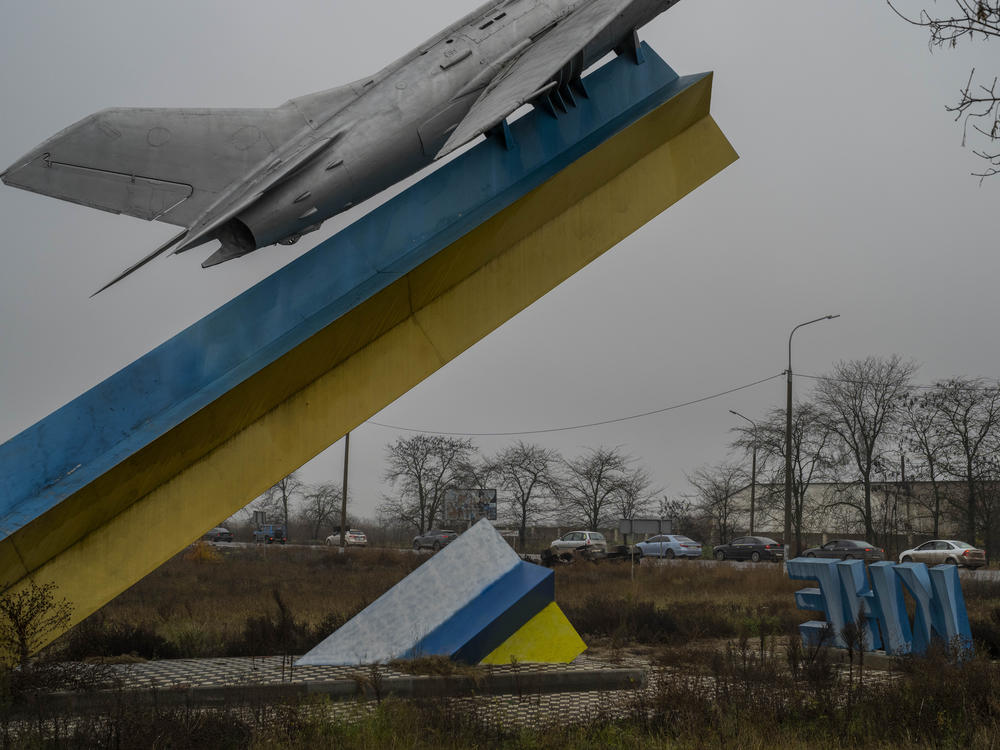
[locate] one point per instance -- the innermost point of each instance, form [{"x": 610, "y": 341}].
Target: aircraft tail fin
[{"x": 155, "y": 164}]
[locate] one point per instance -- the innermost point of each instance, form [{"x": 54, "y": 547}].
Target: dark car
[
  {"x": 846, "y": 549},
  {"x": 270, "y": 533},
  {"x": 434, "y": 538},
  {"x": 219, "y": 534},
  {"x": 755, "y": 548}
]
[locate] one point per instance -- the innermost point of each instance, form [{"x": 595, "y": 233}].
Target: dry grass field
[
  {"x": 723, "y": 638},
  {"x": 239, "y": 601}
]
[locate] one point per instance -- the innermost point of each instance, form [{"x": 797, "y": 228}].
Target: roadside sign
[
  {"x": 645, "y": 526},
  {"x": 470, "y": 505}
]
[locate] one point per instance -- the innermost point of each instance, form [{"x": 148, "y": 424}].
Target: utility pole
[
  {"x": 343, "y": 498},
  {"x": 788, "y": 433},
  {"x": 906, "y": 494}
]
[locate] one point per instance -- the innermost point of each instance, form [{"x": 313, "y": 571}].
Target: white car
[
  {"x": 947, "y": 551},
  {"x": 353, "y": 538},
  {"x": 574, "y": 540}
]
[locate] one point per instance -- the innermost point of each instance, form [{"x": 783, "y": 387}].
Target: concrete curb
[{"x": 362, "y": 686}]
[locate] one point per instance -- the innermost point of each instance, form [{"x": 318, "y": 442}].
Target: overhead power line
[{"x": 582, "y": 426}]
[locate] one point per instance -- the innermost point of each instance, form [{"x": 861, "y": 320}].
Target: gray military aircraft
[{"x": 255, "y": 177}]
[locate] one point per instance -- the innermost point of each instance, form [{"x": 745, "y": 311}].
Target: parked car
[
  {"x": 568, "y": 543},
  {"x": 669, "y": 546},
  {"x": 947, "y": 551},
  {"x": 435, "y": 539},
  {"x": 847, "y": 549},
  {"x": 270, "y": 533},
  {"x": 352, "y": 538},
  {"x": 755, "y": 548},
  {"x": 219, "y": 534}
]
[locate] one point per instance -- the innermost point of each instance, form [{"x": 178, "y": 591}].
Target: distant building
[{"x": 906, "y": 510}]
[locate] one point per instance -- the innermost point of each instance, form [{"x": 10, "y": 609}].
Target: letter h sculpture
[{"x": 879, "y": 611}]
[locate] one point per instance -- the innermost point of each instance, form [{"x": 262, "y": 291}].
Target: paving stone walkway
[
  {"x": 273, "y": 670},
  {"x": 525, "y": 709}
]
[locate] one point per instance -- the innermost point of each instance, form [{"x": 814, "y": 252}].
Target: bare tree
[
  {"x": 477, "y": 473},
  {"x": 636, "y": 493},
  {"x": 278, "y": 499},
  {"x": 812, "y": 456},
  {"x": 321, "y": 507},
  {"x": 969, "y": 413},
  {"x": 421, "y": 468},
  {"x": 685, "y": 517},
  {"x": 978, "y": 105},
  {"x": 861, "y": 401},
  {"x": 988, "y": 497},
  {"x": 718, "y": 487},
  {"x": 591, "y": 482},
  {"x": 29, "y": 616},
  {"x": 922, "y": 433},
  {"x": 527, "y": 476},
  {"x": 892, "y": 491}
]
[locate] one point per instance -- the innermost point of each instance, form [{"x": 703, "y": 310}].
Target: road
[{"x": 983, "y": 574}]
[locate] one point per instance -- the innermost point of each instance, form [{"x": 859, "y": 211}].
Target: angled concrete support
[{"x": 107, "y": 488}]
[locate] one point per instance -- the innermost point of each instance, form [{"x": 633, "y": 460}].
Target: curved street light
[{"x": 788, "y": 433}]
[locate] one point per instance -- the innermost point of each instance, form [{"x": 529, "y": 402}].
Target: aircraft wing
[
  {"x": 247, "y": 189},
  {"x": 546, "y": 63}
]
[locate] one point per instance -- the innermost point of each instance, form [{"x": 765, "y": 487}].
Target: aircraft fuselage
[{"x": 404, "y": 113}]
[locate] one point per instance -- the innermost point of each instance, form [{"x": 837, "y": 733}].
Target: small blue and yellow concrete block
[{"x": 474, "y": 601}]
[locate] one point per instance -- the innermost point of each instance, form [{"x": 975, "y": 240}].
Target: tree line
[
  {"x": 534, "y": 484},
  {"x": 870, "y": 434},
  {"x": 308, "y": 511}
]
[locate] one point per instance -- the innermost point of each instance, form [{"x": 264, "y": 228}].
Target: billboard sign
[
  {"x": 648, "y": 526},
  {"x": 470, "y": 505}
]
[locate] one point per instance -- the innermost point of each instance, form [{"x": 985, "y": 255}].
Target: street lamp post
[
  {"x": 788, "y": 433},
  {"x": 753, "y": 468},
  {"x": 343, "y": 497}
]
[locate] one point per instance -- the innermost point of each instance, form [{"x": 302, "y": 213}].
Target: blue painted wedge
[{"x": 471, "y": 602}]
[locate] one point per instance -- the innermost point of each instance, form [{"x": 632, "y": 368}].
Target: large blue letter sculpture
[{"x": 879, "y": 612}]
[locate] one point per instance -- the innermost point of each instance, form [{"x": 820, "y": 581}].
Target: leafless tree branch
[{"x": 978, "y": 106}]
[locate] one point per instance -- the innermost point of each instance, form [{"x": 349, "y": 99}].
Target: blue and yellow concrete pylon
[
  {"x": 108, "y": 487},
  {"x": 475, "y": 601}
]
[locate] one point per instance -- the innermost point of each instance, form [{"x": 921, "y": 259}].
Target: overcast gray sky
[{"x": 852, "y": 195}]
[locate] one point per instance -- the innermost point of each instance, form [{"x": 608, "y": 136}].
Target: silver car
[
  {"x": 435, "y": 539},
  {"x": 669, "y": 546},
  {"x": 947, "y": 551},
  {"x": 591, "y": 541}
]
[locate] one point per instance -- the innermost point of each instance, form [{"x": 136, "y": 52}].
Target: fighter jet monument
[
  {"x": 250, "y": 178},
  {"x": 207, "y": 420}
]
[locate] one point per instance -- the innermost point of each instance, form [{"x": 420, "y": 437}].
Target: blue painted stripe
[
  {"x": 79, "y": 442},
  {"x": 476, "y": 629}
]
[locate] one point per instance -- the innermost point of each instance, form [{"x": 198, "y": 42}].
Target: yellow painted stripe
[
  {"x": 104, "y": 538},
  {"x": 547, "y": 638}
]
